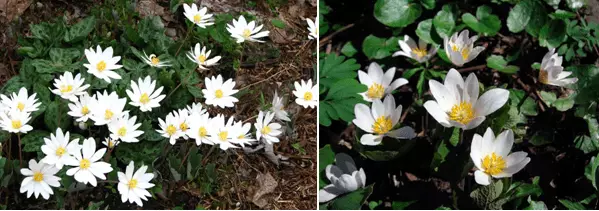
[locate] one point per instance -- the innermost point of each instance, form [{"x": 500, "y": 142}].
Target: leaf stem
[{"x": 20, "y": 151}]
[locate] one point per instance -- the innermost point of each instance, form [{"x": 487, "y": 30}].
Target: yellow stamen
[
  {"x": 265, "y": 130},
  {"x": 110, "y": 143},
  {"x": 84, "y": 164},
  {"x": 382, "y": 125},
  {"x": 465, "y": 53},
  {"x": 154, "y": 60},
  {"x": 202, "y": 58},
  {"x": 543, "y": 76},
  {"x": 197, "y": 18},
  {"x": 308, "y": 96},
  {"x": 67, "y": 88},
  {"x": 132, "y": 184},
  {"x": 38, "y": 176},
  {"x": 375, "y": 91},
  {"x": 20, "y": 106},
  {"x": 85, "y": 110},
  {"x": 108, "y": 114},
  {"x": 454, "y": 47},
  {"x": 223, "y": 135},
  {"x": 101, "y": 66},
  {"x": 420, "y": 52},
  {"x": 122, "y": 131},
  {"x": 60, "y": 151},
  {"x": 144, "y": 99},
  {"x": 183, "y": 126},
  {"x": 171, "y": 129},
  {"x": 218, "y": 93},
  {"x": 16, "y": 124},
  {"x": 493, "y": 164},
  {"x": 202, "y": 132},
  {"x": 241, "y": 137},
  {"x": 462, "y": 113},
  {"x": 246, "y": 33}
]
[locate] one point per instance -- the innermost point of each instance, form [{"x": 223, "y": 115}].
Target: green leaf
[
  {"x": 519, "y": 16},
  {"x": 571, "y": 205},
  {"x": 56, "y": 115},
  {"x": 180, "y": 99},
  {"x": 379, "y": 48},
  {"x": 484, "y": 22},
  {"x": 564, "y": 103},
  {"x": 141, "y": 152},
  {"x": 553, "y": 34},
  {"x": 80, "y": 30},
  {"x": 591, "y": 172},
  {"x": 485, "y": 196},
  {"x": 548, "y": 97},
  {"x": 348, "y": 49},
  {"x": 401, "y": 205},
  {"x": 326, "y": 157},
  {"x": 498, "y": 63},
  {"x": 353, "y": 200},
  {"x": 536, "y": 205},
  {"x": 396, "y": 13},
  {"x": 563, "y": 14},
  {"x": 278, "y": 23},
  {"x": 528, "y": 107},
  {"x": 426, "y": 32},
  {"x": 33, "y": 140},
  {"x": 445, "y": 19},
  {"x": 195, "y": 91},
  {"x": 586, "y": 144},
  {"x": 334, "y": 66},
  {"x": 428, "y": 4},
  {"x": 537, "y": 19}
]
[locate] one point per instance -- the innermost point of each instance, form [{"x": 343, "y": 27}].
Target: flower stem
[
  {"x": 20, "y": 151},
  {"x": 184, "y": 40}
]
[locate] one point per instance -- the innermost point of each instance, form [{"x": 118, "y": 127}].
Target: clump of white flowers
[
  {"x": 460, "y": 48},
  {"x": 242, "y": 30}
]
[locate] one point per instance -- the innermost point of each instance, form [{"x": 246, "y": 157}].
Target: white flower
[
  {"x": 307, "y": 95},
  {"x": 379, "y": 121},
  {"x": 21, "y": 101},
  {"x": 221, "y": 132},
  {"x": 241, "y": 133},
  {"x": 169, "y": 128},
  {"x": 88, "y": 163},
  {"x": 242, "y": 31},
  {"x": 379, "y": 84},
  {"x": 144, "y": 94},
  {"x": 218, "y": 93},
  {"x": 199, "y": 125},
  {"x": 198, "y": 16},
  {"x": 81, "y": 108},
  {"x": 344, "y": 178},
  {"x": 110, "y": 143},
  {"x": 68, "y": 87},
  {"x": 417, "y": 52},
  {"x": 132, "y": 186},
  {"x": 58, "y": 148},
  {"x": 15, "y": 121},
  {"x": 200, "y": 56},
  {"x": 101, "y": 63},
  {"x": 457, "y": 104},
  {"x": 196, "y": 108},
  {"x": 154, "y": 61},
  {"x": 552, "y": 72},
  {"x": 265, "y": 129},
  {"x": 182, "y": 117},
  {"x": 278, "y": 108},
  {"x": 313, "y": 28},
  {"x": 460, "y": 49},
  {"x": 124, "y": 128},
  {"x": 39, "y": 178},
  {"x": 492, "y": 158},
  {"x": 107, "y": 108}
]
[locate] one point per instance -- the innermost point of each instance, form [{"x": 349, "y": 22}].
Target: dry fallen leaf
[{"x": 267, "y": 185}]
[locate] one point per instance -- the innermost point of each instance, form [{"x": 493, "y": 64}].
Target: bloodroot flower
[{"x": 344, "y": 177}]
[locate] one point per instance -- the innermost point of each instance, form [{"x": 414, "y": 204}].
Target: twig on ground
[
  {"x": 474, "y": 68},
  {"x": 529, "y": 90},
  {"x": 327, "y": 39}
]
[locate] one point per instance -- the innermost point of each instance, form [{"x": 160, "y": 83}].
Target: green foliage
[
  {"x": 326, "y": 157},
  {"x": 396, "y": 13},
  {"x": 498, "y": 63},
  {"x": 484, "y": 22},
  {"x": 353, "y": 200},
  {"x": 591, "y": 171},
  {"x": 445, "y": 20},
  {"x": 379, "y": 48}
]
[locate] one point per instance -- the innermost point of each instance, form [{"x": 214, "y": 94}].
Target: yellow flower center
[
  {"x": 265, "y": 130},
  {"x": 202, "y": 58},
  {"x": 462, "y": 113},
  {"x": 67, "y": 88},
  {"x": 465, "y": 53},
  {"x": 171, "y": 129},
  {"x": 218, "y": 93},
  {"x": 101, "y": 66},
  {"x": 420, "y": 52},
  {"x": 85, "y": 110},
  {"x": 375, "y": 91},
  {"x": 110, "y": 143},
  {"x": 382, "y": 125},
  {"x": 108, "y": 114},
  {"x": 183, "y": 126},
  {"x": 20, "y": 106},
  {"x": 16, "y": 124},
  {"x": 84, "y": 164},
  {"x": 223, "y": 135},
  {"x": 144, "y": 99},
  {"x": 454, "y": 47},
  {"x": 122, "y": 131},
  {"x": 154, "y": 60},
  {"x": 132, "y": 183},
  {"x": 246, "y": 33},
  {"x": 202, "y": 132},
  {"x": 197, "y": 18},
  {"x": 493, "y": 164},
  {"x": 308, "y": 96},
  {"x": 38, "y": 176},
  {"x": 241, "y": 137},
  {"x": 60, "y": 151},
  {"x": 543, "y": 76}
]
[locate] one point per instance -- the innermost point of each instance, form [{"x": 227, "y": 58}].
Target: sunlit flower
[
  {"x": 344, "y": 178},
  {"x": 144, "y": 94},
  {"x": 20, "y": 101},
  {"x": 460, "y": 48},
  {"x": 313, "y": 28},
  {"x": 101, "y": 63},
  {"x": 242, "y": 30},
  {"x": 218, "y": 93},
  {"x": 379, "y": 83},
  {"x": 279, "y": 108},
  {"x": 221, "y": 133},
  {"x": 379, "y": 121},
  {"x": 169, "y": 128},
  {"x": 88, "y": 163},
  {"x": 198, "y": 16},
  {"x": 132, "y": 186},
  {"x": 419, "y": 52},
  {"x": 124, "y": 128},
  {"x": 241, "y": 133},
  {"x": 68, "y": 87},
  {"x": 80, "y": 109},
  {"x": 200, "y": 56},
  {"x": 38, "y": 179},
  {"x": 110, "y": 143},
  {"x": 196, "y": 108},
  {"x": 154, "y": 61},
  {"x": 15, "y": 121},
  {"x": 457, "y": 103},
  {"x": 492, "y": 158},
  {"x": 265, "y": 129},
  {"x": 107, "y": 108},
  {"x": 59, "y": 148},
  {"x": 552, "y": 72},
  {"x": 306, "y": 94},
  {"x": 199, "y": 125},
  {"x": 182, "y": 119}
]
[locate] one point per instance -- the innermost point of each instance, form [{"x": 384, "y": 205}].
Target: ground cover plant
[
  {"x": 158, "y": 105},
  {"x": 458, "y": 104}
]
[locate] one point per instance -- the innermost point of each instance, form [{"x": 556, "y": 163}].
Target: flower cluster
[{"x": 16, "y": 111}]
